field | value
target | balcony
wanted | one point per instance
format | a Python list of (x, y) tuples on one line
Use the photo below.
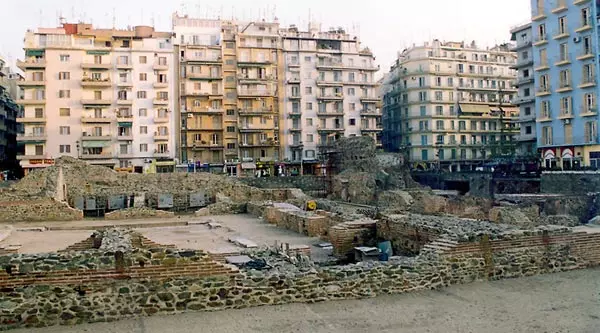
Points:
[(540, 15), (564, 86), (31, 83), (561, 6), (94, 120), (255, 93), (563, 61), (523, 63), (329, 129), (255, 129), (126, 65), (585, 55), (161, 136), (161, 101), (159, 85), (542, 67), (88, 82), (295, 129), (256, 112), (295, 97), (33, 157), (370, 113), (125, 137), (125, 84), (331, 96), (31, 63), (91, 65), (202, 145), (294, 80), (580, 2), (524, 80), (161, 119), (329, 83), (585, 26), (201, 110), (124, 101), (294, 115), (203, 60), (543, 91), (330, 65), (31, 137), (540, 40), (588, 111), (254, 79), (588, 81), (31, 101), (160, 67), (335, 113), (89, 136), (103, 156), (253, 63), (203, 76), (561, 35), (31, 120), (94, 102), (124, 118), (377, 128), (373, 99)]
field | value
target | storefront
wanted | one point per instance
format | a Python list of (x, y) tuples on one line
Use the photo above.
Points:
[(265, 169), (36, 164), (248, 169)]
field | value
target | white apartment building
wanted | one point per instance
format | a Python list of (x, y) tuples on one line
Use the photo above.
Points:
[(329, 90), (451, 105), (523, 37), (102, 95)]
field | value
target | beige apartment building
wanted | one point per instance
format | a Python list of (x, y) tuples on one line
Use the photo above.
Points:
[(102, 95), (330, 91), (449, 105)]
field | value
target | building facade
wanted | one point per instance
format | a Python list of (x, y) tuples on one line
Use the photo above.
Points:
[(565, 59), (9, 111), (450, 106), (102, 95), (522, 36), (330, 91)]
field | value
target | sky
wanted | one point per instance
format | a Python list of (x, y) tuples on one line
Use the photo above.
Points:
[(385, 26)]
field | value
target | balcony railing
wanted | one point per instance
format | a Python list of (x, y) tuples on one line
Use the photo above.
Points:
[(31, 63), (27, 137), (205, 59), (160, 66), (588, 110), (255, 92), (92, 82)]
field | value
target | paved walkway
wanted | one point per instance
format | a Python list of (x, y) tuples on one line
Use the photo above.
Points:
[(566, 302)]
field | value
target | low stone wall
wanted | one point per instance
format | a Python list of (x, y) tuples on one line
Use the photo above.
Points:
[(38, 210), (305, 183), (137, 213)]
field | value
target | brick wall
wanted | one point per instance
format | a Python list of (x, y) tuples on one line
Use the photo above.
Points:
[(405, 237), (346, 236)]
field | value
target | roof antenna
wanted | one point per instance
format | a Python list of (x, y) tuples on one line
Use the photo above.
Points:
[(114, 19)]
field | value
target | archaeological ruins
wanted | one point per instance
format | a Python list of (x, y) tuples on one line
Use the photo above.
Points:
[(82, 243)]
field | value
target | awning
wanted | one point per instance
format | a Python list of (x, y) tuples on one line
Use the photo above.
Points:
[(98, 52), (473, 108), (34, 53), (94, 144), (567, 153), (125, 123), (549, 154), (165, 163)]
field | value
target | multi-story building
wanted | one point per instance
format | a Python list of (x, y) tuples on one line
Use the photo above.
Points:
[(565, 49), (9, 112), (451, 104), (101, 95), (330, 90), (523, 38)]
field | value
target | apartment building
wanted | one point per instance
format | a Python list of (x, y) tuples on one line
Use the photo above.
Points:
[(229, 92), (9, 112), (102, 95), (522, 36), (450, 105), (565, 50), (329, 91)]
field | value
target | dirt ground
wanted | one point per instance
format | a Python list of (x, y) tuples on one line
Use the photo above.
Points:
[(565, 302), (167, 231)]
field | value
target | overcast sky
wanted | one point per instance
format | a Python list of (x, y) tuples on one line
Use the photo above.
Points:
[(386, 26)]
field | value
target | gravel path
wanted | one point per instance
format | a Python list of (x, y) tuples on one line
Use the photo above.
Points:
[(565, 302)]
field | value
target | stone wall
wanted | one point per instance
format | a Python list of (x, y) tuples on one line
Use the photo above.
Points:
[(137, 213), (38, 210), (305, 183), (346, 236), (570, 182)]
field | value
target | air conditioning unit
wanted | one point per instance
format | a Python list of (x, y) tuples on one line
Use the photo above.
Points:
[(577, 39), (190, 115), (85, 134), (567, 121)]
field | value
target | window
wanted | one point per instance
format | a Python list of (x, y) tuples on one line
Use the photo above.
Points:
[(439, 110), (351, 77), (309, 106), (526, 92), (142, 112), (64, 149), (309, 138), (64, 112), (351, 92), (439, 124), (545, 109), (143, 129), (527, 111), (424, 155), (308, 90), (585, 17), (64, 75), (588, 103), (230, 145), (123, 60), (229, 45), (562, 25), (450, 82), (65, 58), (143, 76), (162, 61), (423, 110), (438, 95), (422, 96), (565, 106), (309, 121), (565, 78), (564, 52), (591, 132), (230, 112), (65, 130), (141, 94), (64, 93), (352, 122), (546, 135), (352, 106), (438, 81), (307, 59), (143, 59), (541, 32), (143, 147), (587, 45)]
